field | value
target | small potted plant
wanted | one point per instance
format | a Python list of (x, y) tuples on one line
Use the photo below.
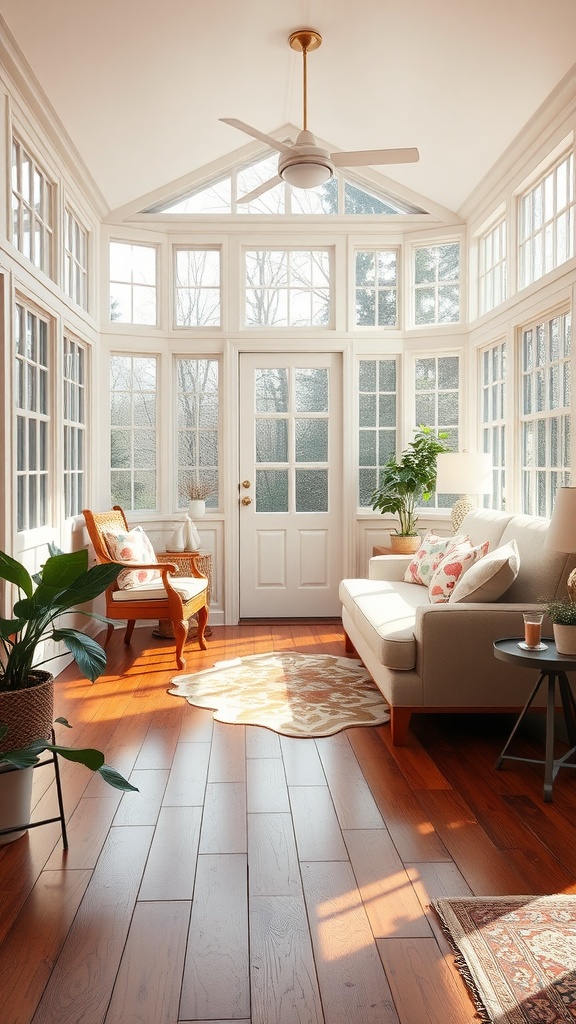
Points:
[(198, 490), (405, 483), (562, 613), (26, 688)]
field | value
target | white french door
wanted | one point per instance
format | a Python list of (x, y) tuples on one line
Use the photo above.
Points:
[(290, 487)]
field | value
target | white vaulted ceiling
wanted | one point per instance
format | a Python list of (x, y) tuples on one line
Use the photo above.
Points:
[(140, 86)]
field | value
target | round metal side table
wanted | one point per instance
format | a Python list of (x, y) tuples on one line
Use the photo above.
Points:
[(552, 668)]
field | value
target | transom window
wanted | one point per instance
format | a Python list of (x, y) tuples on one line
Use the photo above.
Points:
[(492, 280), (74, 426), (377, 386), (546, 222), (493, 406), (376, 288), (32, 214), (197, 287), (31, 388), (437, 284), (198, 425), (132, 283), (75, 260), (287, 288), (133, 416), (545, 416)]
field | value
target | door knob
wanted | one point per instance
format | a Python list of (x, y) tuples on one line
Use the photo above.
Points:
[(246, 500), (245, 483)]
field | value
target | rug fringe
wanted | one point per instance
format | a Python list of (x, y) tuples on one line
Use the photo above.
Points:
[(460, 962)]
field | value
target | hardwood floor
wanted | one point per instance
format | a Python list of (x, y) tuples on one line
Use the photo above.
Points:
[(257, 879)]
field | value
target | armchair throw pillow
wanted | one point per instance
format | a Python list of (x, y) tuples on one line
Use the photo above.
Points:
[(429, 555), (132, 547), (451, 568), (489, 578)]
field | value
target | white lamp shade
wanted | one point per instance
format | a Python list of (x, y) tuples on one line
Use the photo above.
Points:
[(464, 473), (561, 534)]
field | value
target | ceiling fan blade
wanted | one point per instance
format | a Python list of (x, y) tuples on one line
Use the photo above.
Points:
[(243, 127), (264, 187), (364, 157)]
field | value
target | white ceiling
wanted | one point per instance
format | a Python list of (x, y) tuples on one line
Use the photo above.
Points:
[(140, 85)]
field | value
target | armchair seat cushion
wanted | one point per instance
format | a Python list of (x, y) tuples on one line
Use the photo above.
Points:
[(187, 586)]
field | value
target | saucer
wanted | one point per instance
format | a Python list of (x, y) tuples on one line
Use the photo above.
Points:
[(524, 646)]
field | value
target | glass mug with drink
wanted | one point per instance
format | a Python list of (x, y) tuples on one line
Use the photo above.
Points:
[(533, 632)]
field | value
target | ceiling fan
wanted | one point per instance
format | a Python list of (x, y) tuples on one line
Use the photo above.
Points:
[(303, 164)]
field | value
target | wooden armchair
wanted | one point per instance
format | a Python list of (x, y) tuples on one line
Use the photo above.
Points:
[(174, 599)]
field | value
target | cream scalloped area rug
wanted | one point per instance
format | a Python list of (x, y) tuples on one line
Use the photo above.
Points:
[(304, 695)]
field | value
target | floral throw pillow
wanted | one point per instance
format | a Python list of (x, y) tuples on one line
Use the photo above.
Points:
[(429, 555), (132, 546), (451, 569)]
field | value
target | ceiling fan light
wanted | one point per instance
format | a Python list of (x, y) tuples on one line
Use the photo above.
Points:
[(306, 175)]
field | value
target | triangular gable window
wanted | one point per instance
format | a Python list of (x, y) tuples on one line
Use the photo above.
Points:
[(339, 195)]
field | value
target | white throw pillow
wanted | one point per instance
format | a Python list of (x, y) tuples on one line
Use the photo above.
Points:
[(489, 578), (132, 547), (429, 555), (451, 568)]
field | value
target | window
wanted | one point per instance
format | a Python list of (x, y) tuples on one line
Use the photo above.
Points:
[(288, 288), (376, 285), (31, 388), (493, 268), (493, 406), (74, 426), (132, 283), (197, 381), (437, 284), (437, 388), (377, 384), (546, 222), (31, 209), (545, 416), (133, 431), (75, 260), (197, 287)]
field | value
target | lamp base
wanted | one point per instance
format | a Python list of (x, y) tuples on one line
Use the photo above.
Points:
[(461, 508)]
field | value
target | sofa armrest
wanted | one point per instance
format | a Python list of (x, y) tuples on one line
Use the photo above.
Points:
[(388, 567)]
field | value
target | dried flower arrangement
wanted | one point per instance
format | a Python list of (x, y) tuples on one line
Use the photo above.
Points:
[(199, 490)]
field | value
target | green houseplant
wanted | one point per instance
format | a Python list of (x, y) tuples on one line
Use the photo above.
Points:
[(409, 480), (26, 689), (562, 613)]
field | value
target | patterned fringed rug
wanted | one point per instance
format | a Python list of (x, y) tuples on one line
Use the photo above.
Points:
[(293, 694), (517, 954)]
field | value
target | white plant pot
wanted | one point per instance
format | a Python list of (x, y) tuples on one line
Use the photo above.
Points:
[(564, 638), (15, 801), (197, 508)]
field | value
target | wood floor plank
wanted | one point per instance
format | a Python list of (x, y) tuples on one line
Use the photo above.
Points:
[(81, 983), (147, 989), (437, 881), (224, 820), (390, 902), (157, 750), (171, 865), (318, 834), (424, 989), (284, 982), (302, 762), (353, 801), (272, 856), (262, 742), (187, 778), (34, 943), (266, 785), (143, 807), (87, 831), (353, 984), (216, 981), (197, 725), (228, 756)]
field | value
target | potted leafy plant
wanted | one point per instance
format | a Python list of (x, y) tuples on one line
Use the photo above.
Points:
[(26, 688), (562, 613), (404, 483)]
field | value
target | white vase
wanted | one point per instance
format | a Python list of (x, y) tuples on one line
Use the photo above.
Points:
[(564, 638), (197, 508), (15, 800), (177, 541)]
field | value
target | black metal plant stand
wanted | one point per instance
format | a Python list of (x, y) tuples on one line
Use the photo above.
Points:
[(45, 821)]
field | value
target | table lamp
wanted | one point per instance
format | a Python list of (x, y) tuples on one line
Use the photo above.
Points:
[(464, 473), (561, 534)]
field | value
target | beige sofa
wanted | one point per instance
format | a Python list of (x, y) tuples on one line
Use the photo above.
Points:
[(439, 657)]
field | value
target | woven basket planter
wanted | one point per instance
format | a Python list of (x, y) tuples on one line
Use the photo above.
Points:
[(27, 713), (404, 545)]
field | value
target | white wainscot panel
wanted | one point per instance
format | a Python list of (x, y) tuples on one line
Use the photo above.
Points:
[(314, 568), (271, 558)]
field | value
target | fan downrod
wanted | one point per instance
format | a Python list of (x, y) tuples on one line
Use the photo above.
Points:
[(305, 39)]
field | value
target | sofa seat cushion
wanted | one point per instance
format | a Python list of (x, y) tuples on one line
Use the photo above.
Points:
[(385, 614), (187, 586)]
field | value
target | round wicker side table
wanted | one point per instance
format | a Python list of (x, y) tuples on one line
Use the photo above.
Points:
[(184, 562)]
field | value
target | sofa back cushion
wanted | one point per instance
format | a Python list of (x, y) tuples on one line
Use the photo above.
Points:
[(541, 569), (485, 524)]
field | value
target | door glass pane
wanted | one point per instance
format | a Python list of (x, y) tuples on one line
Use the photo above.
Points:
[(271, 490), (311, 387), (271, 389), (272, 440), (311, 440), (311, 490)]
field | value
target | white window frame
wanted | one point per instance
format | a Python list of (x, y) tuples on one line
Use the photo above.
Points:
[(217, 324), (492, 377), (454, 431), (542, 223), (39, 214), (493, 267), (75, 378), (132, 284), (198, 470), (132, 505), (369, 421), (33, 382), (289, 288), (76, 242), (377, 288), (436, 285)]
